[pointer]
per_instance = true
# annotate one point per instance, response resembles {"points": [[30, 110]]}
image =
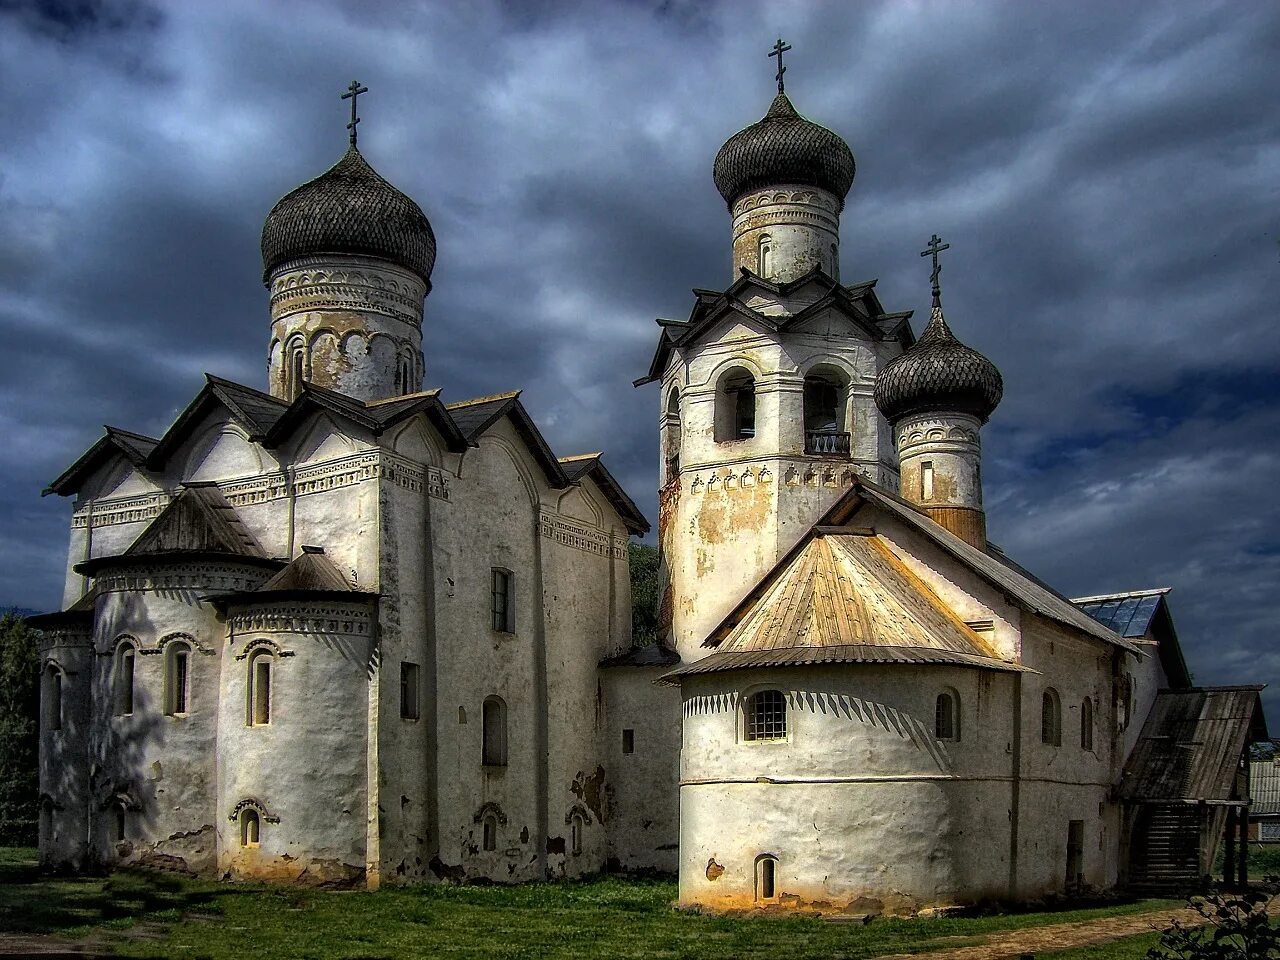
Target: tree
{"points": [[645, 593], [1233, 927], [19, 709]]}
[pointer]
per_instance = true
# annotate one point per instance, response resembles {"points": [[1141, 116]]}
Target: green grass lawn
{"points": [[152, 915]]}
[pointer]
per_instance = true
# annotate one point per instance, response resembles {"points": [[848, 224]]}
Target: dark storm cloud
{"points": [[1106, 174]]}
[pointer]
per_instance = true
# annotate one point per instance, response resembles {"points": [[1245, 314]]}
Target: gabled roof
{"points": [[1137, 614], [590, 465], [134, 447], [856, 301], [844, 592], [198, 521], [376, 417], [255, 411], [1020, 586], [1191, 744], [474, 417], [309, 576]]}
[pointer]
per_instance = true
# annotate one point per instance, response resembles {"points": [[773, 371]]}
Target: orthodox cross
{"points": [[779, 49], [354, 91], [935, 247]]}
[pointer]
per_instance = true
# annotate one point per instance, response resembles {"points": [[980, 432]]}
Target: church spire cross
{"points": [[779, 49], [935, 247], [352, 93]]}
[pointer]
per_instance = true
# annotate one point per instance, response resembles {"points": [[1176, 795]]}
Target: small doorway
{"points": [[1075, 856]]}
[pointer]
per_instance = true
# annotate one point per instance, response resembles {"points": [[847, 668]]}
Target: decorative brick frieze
{"points": [[303, 618], [581, 536], [105, 513], [205, 576]]}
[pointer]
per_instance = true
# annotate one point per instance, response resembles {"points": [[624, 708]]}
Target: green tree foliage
{"points": [[19, 707], [1234, 927], [645, 594]]}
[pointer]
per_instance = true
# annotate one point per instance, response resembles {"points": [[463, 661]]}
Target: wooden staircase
{"points": [[1164, 854]]}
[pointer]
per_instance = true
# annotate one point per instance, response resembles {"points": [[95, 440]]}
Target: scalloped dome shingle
{"points": [[938, 373], [349, 209], [783, 147]]}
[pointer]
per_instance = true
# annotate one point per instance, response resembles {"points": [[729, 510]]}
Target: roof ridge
{"points": [[582, 456], [1150, 592], [509, 395], [416, 395]]}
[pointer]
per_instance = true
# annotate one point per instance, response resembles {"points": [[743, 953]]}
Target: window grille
{"points": [[767, 716], [503, 618]]}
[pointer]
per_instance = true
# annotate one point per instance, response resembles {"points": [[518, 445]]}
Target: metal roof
{"points": [[1264, 787], [1128, 614], [1191, 744]]}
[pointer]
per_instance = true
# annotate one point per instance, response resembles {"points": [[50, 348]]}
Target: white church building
{"points": [[348, 632]]}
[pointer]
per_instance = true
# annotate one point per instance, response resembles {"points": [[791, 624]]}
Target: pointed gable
{"points": [[198, 520], [310, 571]]}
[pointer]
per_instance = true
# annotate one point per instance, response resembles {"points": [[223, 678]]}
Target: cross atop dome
{"points": [[352, 93], [779, 49]]}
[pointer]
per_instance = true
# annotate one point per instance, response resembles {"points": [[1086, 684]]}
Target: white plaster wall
{"points": [[64, 753], [950, 442], [802, 224]]}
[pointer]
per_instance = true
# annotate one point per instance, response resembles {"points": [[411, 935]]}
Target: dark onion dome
{"points": [[938, 373], [784, 147], [349, 209]]}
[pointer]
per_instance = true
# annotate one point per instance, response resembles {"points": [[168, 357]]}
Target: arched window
{"points": [[52, 697], [404, 374], [1126, 700], [766, 716], [1051, 718], [295, 372], [250, 827], [764, 255], [672, 436], [494, 732], [258, 708], [736, 406], [577, 827], [767, 877], [504, 612], [824, 414], [1086, 724], [122, 678], [946, 716], [489, 829], [119, 822], [177, 676]]}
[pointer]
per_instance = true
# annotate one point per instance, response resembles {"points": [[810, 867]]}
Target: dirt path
{"points": [[1057, 936]]}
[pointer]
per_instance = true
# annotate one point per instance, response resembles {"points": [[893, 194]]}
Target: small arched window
{"points": [[764, 255], [1086, 724], [672, 436], [1051, 718], [494, 732], [736, 406], [52, 696], [946, 716], [119, 822], [250, 827], [489, 829], [177, 677], [766, 716], [295, 371], [258, 706], [577, 827], [122, 678], [767, 877]]}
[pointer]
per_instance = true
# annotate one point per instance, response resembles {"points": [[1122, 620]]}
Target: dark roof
{"points": [[857, 301], [474, 417], [198, 521], [650, 655], [1191, 744], [783, 148], [590, 465], [376, 417], [257, 412], [938, 373], [852, 653], [1028, 591], [1128, 614], [349, 209], [309, 576], [114, 442], [79, 614]]}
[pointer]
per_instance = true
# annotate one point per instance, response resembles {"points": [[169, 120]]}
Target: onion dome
{"points": [[349, 209], [784, 147], [938, 373]]}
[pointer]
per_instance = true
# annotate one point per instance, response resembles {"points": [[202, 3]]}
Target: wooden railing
{"points": [[822, 443]]}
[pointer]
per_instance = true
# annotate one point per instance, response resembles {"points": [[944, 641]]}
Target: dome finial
{"points": [[935, 247], [779, 49], [352, 93]]}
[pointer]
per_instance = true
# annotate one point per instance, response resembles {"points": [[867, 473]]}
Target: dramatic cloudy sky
{"points": [[1106, 174]]}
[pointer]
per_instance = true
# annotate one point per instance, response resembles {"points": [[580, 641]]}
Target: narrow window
{"points": [[250, 828], [575, 833], [946, 722], [926, 480], [46, 822], [766, 716], [767, 878], [1086, 724], [503, 609], [490, 830], [735, 416], [295, 376], [118, 822], [53, 698], [177, 677], [260, 689], [494, 732], [1050, 719], [628, 741], [835, 263], [765, 257], [123, 679], [409, 691], [671, 444]]}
